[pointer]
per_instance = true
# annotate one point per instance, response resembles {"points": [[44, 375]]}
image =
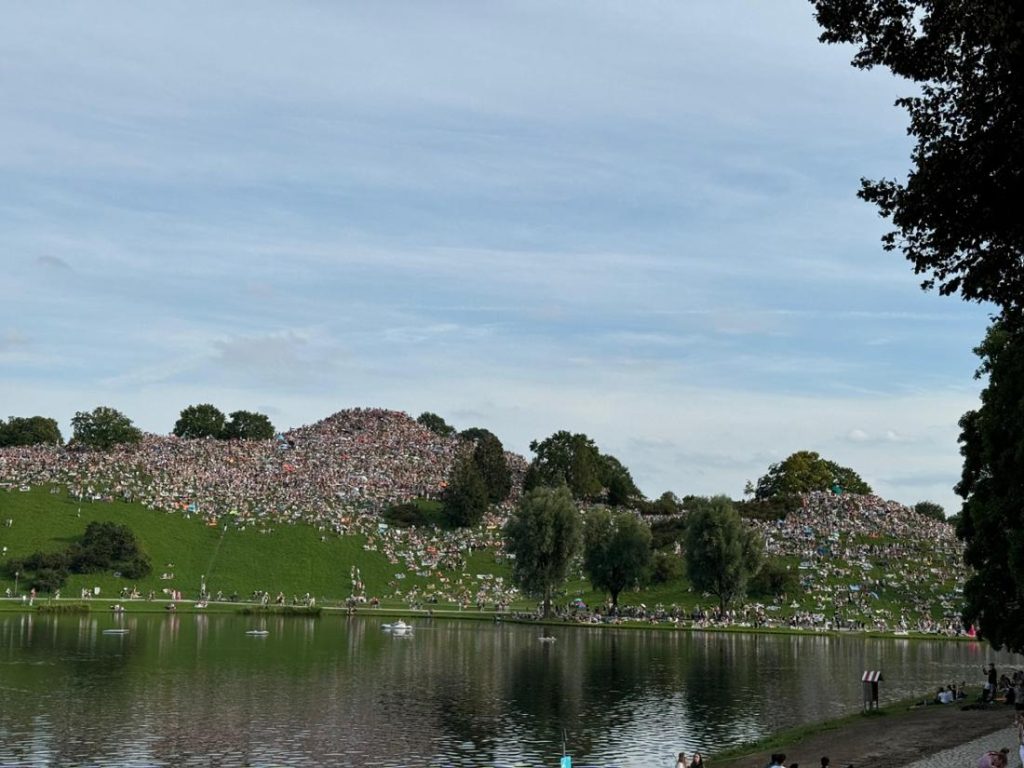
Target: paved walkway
{"points": [[966, 755]]}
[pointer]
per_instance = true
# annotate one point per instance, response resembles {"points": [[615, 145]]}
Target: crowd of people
{"points": [[854, 556], [353, 463]]}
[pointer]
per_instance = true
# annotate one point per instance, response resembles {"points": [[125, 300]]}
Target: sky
{"points": [[633, 220]]}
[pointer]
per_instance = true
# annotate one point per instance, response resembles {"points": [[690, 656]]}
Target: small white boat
{"points": [[547, 638], [115, 631], [257, 632], [398, 628]]}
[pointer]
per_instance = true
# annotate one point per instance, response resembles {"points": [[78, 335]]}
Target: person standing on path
{"points": [[1020, 735], [990, 686]]}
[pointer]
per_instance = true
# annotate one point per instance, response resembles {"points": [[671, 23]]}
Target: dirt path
{"points": [[892, 739]]}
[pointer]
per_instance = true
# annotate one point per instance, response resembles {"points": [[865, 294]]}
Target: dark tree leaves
{"points": [[722, 552], [103, 428], [616, 551], [246, 425], [991, 522], [804, 472], [465, 498], [199, 421], [575, 461], [436, 424], [543, 536], [31, 430], [958, 216], [490, 461]]}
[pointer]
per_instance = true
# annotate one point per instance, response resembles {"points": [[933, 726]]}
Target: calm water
{"points": [[196, 690]]}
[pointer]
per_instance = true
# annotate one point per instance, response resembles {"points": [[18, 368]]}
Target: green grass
{"points": [[291, 559], [296, 559]]}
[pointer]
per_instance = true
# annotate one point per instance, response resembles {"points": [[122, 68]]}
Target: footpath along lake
{"points": [[197, 690]]}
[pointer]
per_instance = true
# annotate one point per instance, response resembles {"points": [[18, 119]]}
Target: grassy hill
{"points": [[432, 567]]}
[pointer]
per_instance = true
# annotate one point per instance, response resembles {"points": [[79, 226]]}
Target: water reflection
{"points": [[195, 690]]}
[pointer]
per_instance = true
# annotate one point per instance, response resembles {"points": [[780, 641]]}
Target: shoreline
{"points": [[189, 607], [897, 734]]}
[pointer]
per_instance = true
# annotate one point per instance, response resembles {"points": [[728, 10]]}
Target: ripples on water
{"points": [[197, 691]]}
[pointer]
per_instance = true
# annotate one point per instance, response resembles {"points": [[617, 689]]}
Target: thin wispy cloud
{"points": [[637, 221]]}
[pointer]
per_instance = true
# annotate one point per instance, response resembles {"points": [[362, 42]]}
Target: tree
{"points": [[991, 520], [543, 536], [198, 421], [773, 579], [722, 553], [666, 504], [806, 471], [957, 217], [109, 546], [31, 430], [436, 424], [621, 490], [103, 428], [930, 509], [105, 546], [489, 459], [465, 497], [616, 551], [246, 425], [566, 459]]}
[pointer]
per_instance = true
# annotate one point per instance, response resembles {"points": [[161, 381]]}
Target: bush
{"points": [[773, 580], [104, 547], [666, 568], [48, 580], [774, 508], [405, 515], [666, 533]]}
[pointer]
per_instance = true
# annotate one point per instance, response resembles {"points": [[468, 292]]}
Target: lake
{"points": [[197, 690]]}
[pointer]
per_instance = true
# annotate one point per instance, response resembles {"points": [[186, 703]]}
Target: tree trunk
{"points": [[547, 602]]}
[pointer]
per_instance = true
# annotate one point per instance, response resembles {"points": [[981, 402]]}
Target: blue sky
{"points": [[635, 220]]}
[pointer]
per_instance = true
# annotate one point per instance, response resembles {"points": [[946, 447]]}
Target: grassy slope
{"points": [[292, 559]]}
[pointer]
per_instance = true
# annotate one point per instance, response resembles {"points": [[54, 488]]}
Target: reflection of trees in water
{"points": [[544, 688], [62, 661], [340, 691]]}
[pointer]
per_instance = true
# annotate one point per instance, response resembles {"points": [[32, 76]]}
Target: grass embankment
{"points": [[782, 740], [294, 560]]}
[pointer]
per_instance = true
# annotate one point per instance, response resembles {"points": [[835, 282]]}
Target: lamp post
{"points": [[16, 575]]}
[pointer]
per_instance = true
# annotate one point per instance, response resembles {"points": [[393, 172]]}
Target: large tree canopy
{"points": [[992, 519], [199, 421], [806, 471], [465, 497], [722, 552], [247, 425], [543, 535], [436, 424], [575, 461], [616, 551], [31, 430], [103, 428], [490, 461], [957, 217]]}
